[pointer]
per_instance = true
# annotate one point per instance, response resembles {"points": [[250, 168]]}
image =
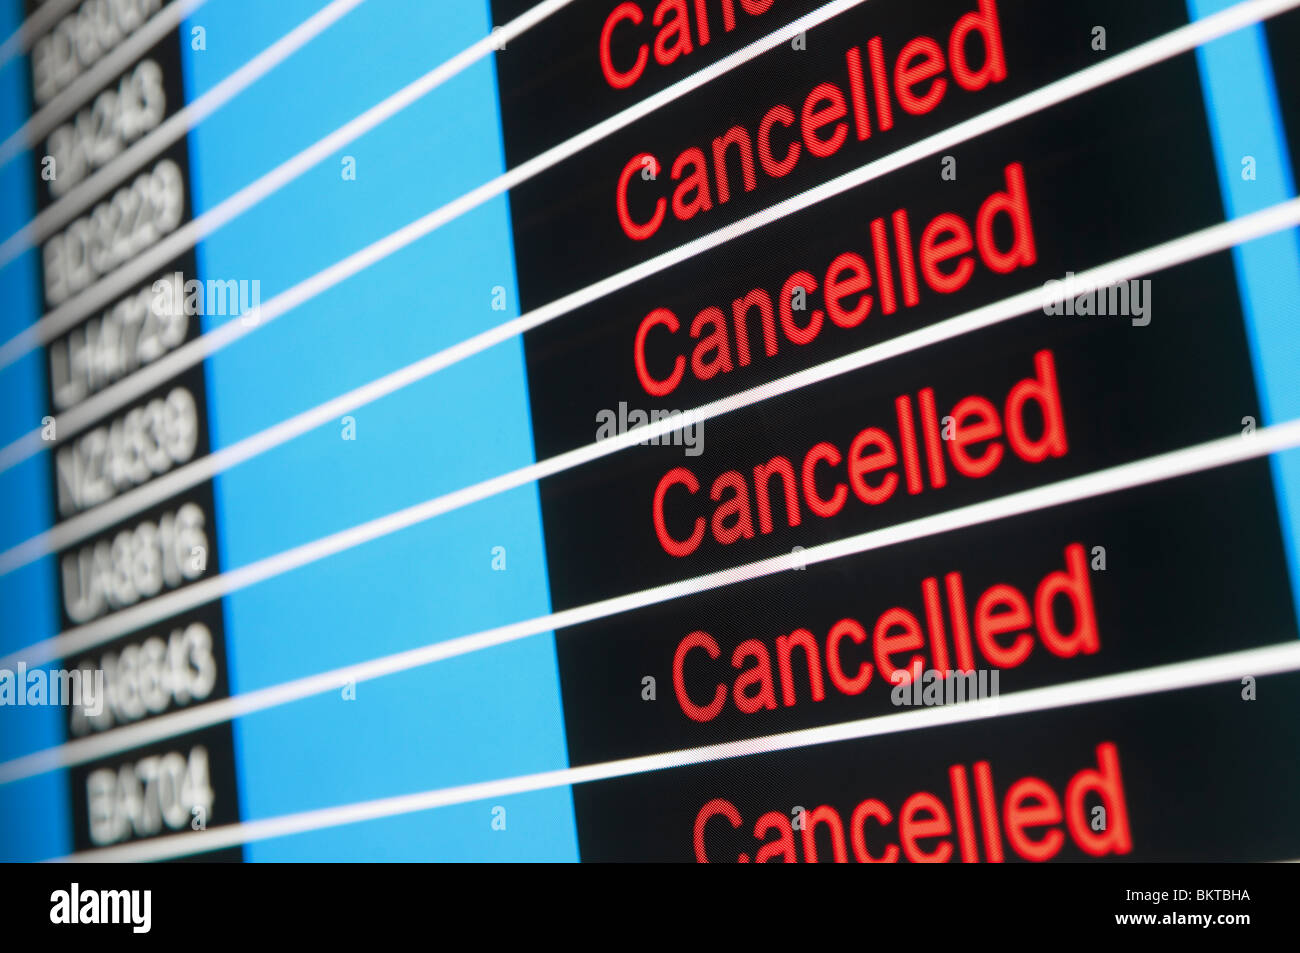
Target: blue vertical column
{"points": [[36, 810], [491, 714], [1255, 172]]}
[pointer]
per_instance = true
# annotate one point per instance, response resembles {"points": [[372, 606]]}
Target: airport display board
{"points": [[658, 430]]}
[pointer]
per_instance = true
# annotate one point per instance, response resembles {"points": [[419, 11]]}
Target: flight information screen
{"points": [[650, 430]]}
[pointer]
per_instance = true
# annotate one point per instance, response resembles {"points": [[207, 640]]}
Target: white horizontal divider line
{"points": [[188, 117], [1271, 660], [1176, 463], [188, 235], [88, 83], [35, 26], [1213, 239], [1171, 44]]}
